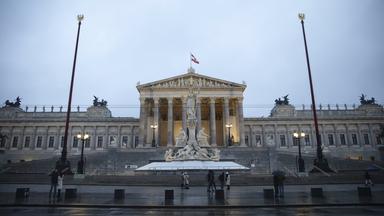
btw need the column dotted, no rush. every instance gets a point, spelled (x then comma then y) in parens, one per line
(212, 121)
(58, 138)
(226, 121)
(170, 122)
(21, 140)
(142, 122)
(241, 121)
(94, 138)
(156, 120)
(119, 144)
(198, 114)
(184, 113)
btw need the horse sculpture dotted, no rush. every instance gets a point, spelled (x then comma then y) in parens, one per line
(101, 103)
(364, 101)
(285, 101)
(13, 104)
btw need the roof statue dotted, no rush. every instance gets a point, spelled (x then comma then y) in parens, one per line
(364, 101)
(96, 102)
(285, 101)
(13, 104)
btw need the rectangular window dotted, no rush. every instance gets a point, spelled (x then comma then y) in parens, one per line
(62, 141)
(136, 140)
(2, 142)
(330, 140)
(306, 140)
(39, 141)
(99, 141)
(75, 142)
(282, 140)
(378, 140)
(112, 140)
(27, 141)
(366, 139)
(87, 143)
(295, 141)
(258, 140)
(342, 139)
(15, 141)
(124, 141)
(246, 140)
(51, 142)
(354, 139)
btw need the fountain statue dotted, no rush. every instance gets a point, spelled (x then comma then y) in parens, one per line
(192, 146)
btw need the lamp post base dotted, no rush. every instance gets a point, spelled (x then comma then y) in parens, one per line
(321, 164)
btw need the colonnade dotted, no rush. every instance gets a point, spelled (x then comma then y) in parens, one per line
(161, 119)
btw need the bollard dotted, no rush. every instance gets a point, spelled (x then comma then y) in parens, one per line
(219, 194)
(70, 193)
(168, 194)
(364, 191)
(22, 193)
(316, 192)
(269, 193)
(119, 194)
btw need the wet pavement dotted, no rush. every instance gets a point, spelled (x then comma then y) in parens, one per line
(195, 197)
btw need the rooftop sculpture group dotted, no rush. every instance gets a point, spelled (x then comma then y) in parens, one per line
(13, 104)
(285, 101)
(364, 101)
(96, 102)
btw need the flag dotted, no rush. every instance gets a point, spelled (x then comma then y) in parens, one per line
(193, 58)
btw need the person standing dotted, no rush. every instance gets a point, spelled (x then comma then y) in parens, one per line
(276, 185)
(221, 179)
(281, 179)
(211, 181)
(54, 180)
(368, 179)
(227, 180)
(186, 180)
(60, 179)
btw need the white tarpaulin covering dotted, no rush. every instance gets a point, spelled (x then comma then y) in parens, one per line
(192, 165)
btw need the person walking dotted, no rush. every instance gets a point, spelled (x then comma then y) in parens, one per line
(211, 181)
(60, 179)
(227, 180)
(54, 180)
(221, 179)
(182, 180)
(368, 179)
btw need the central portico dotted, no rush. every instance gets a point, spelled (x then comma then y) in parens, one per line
(163, 104)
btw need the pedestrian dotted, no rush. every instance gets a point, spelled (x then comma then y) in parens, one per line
(221, 179)
(227, 180)
(186, 180)
(211, 181)
(281, 179)
(276, 185)
(368, 179)
(60, 179)
(54, 180)
(182, 180)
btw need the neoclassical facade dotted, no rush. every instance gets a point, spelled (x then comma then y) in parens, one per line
(219, 109)
(345, 131)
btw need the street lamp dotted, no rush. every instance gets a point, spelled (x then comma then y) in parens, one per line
(229, 134)
(320, 161)
(80, 164)
(63, 164)
(153, 135)
(298, 136)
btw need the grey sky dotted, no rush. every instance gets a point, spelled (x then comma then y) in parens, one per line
(123, 42)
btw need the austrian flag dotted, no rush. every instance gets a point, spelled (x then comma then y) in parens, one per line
(193, 58)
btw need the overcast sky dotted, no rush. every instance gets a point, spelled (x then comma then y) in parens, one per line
(123, 42)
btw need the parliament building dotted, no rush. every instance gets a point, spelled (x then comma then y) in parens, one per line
(346, 132)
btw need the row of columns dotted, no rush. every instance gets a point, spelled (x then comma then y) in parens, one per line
(170, 135)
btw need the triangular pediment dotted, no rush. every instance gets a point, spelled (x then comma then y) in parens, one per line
(188, 79)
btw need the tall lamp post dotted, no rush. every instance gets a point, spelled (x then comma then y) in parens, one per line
(80, 164)
(298, 136)
(63, 164)
(153, 135)
(320, 161)
(229, 134)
